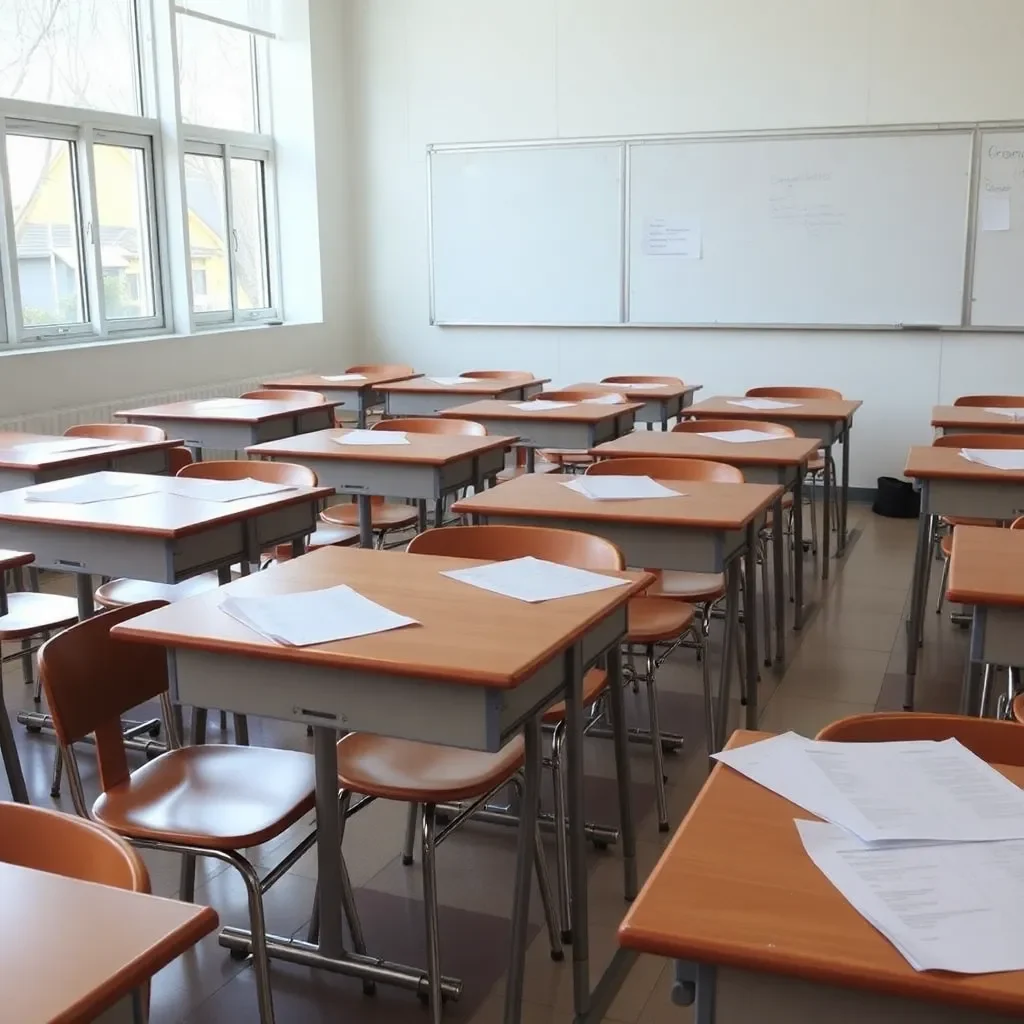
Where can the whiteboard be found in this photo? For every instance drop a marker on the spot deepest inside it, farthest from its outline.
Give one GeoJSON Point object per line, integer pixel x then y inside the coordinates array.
{"type": "Point", "coordinates": [814, 230]}
{"type": "Point", "coordinates": [997, 298]}
{"type": "Point", "coordinates": [527, 235]}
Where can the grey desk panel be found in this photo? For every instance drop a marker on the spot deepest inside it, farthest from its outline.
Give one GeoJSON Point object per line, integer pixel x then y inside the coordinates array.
{"type": "Point", "coordinates": [206, 433]}
{"type": "Point", "coordinates": [776, 475]}
{"type": "Point", "coordinates": [654, 410]}
{"type": "Point", "coordinates": [1000, 635]}
{"type": "Point", "coordinates": [12, 479]}
{"type": "Point", "coordinates": [155, 462]}
{"type": "Point", "coordinates": [827, 432]}
{"type": "Point", "coordinates": [431, 403]}
{"type": "Point", "coordinates": [973, 498]}
{"type": "Point", "coordinates": [127, 462]}
{"type": "Point", "coordinates": [278, 525]}
{"type": "Point", "coordinates": [561, 433]}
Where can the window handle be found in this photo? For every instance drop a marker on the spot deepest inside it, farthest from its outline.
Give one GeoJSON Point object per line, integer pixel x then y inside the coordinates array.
{"type": "Point", "coordinates": [234, 239]}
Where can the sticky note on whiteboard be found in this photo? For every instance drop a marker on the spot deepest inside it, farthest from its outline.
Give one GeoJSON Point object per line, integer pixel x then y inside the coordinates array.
{"type": "Point", "coordinates": [994, 212]}
{"type": "Point", "coordinates": [673, 236]}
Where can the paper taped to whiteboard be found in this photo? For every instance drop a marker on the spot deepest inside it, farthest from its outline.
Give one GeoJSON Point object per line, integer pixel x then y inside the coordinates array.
{"type": "Point", "coordinates": [673, 236]}
{"type": "Point", "coordinates": [994, 212]}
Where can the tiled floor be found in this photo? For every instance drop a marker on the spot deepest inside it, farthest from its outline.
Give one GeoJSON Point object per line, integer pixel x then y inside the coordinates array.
{"type": "Point", "coordinates": [849, 659]}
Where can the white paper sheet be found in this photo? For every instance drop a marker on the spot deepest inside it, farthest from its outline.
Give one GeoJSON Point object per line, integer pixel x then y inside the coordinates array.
{"type": "Point", "coordinates": [610, 399]}
{"type": "Point", "coordinates": [615, 384]}
{"type": "Point", "coordinates": [223, 403]}
{"type": "Point", "coordinates": [452, 381]}
{"type": "Point", "coordinates": [313, 617]}
{"type": "Point", "coordinates": [64, 444]}
{"type": "Point", "coordinates": [541, 405]}
{"type": "Point", "coordinates": [949, 907]}
{"type": "Point", "coordinates": [1013, 414]}
{"type": "Point", "coordinates": [343, 378]}
{"type": "Point", "coordinates": [994, 212]}
{"type": "Point", "coordinates": [996, 458]}
{"type": "Point", "coordinates": [372, 437]}
{"type": "Point", "coordinates": [85, 490]}
{"type": "Point", "coordinates": [673, 236]}
{"type": "Point", "coordinates": [763, 403]}
{"type": "Point", "coordinates": [740, 436]}
{"type": "Point", "coordinates": [620, 488]}
{"type": "Point", "coordinates": [917, 791]}
{"type": "Point", "coordinates": [533, 579]}
{"type": "Point", "coordinates": [223, 490]}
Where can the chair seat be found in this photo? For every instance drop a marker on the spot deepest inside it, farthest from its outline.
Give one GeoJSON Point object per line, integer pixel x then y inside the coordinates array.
{"type": "Point", "coordinates": [223, 797]}
{"type": "Point", "coordinates": [385, 516]}
{"type": "Point", "coordinates": [422, 772]}
{"type": "Point", "coordinates": [540, 466]}
{"type": "Point", "coordinates": [687, 586]}
{"type": "Point", "coordinates": [1018, 708]}
{"type": "Point", "coordinates": [29, 613]}
{"type": "Point", "coordinates": [324, 536]}
{"type": "Point", "coordinates": [652, 619]}
{"type": "Point", "coordinates": [118, 593]}
{"type": "Point", "coordinates": [567, 457]}
{"type": "Point", "coordinates": [594, 683]}
{"type": "Point", "coordinates": [817, 464]}
{"type": "Point", "coordinates": [967, 521]}
{"type": "Point", "coordinates": [946, 545]}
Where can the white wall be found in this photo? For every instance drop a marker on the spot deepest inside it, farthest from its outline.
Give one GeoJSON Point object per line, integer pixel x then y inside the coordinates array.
{"type": "Point", "coordinates": [311, 103]}
{"type": "Point", "coordinates": [485, 70]}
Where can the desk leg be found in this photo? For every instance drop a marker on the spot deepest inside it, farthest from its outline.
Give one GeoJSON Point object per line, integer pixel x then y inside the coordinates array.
{"type": "Point", "coordinates": [750, 623]}
{"type": "Point", "coordinates": [798, 549]}
{"type": "Point", "coordinates": [524, 873]}
{"type": "Point", "coordinates": [826, 517]}
{"type": "Point", "coordinates": [620, 736]}
{"type": "Point", "coordinates": [83, 588]}
{"type": "Point", "coordinates": [531, 458]}
{"type": "Point", "coordinates": [361, 410]}
{"type": "Point", "coordinates": [365, 521]}
{"type": "Point", "coordinates": [704, 1004]}
{"type": "Point", "coordinates": [971, 700]}
{"type": "Point", "coordinates": [732, 602]}
{"type": "Point", "coordinates": [577, 837]}
{"type": "Point", "coordinates": [778, 554]}
{"type": "Point", "coordinates": [917, 599]}
{"type": "Point", "coordinates": [8, 746]}
{"type": "Point", "coordinates": [328, 843]}
{"type": "Point", "coordinates": [844, 496]}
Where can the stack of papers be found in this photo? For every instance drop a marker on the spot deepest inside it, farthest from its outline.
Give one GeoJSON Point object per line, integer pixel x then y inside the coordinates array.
{"type": "Point", "coordinates": [452, 381]}
{"type": "Point", "coordinates": [223, 490]}
{"type": "Point", "coordinates": [610, 399]}
{"type": "Point", "coordinates": [541, 405]}
{"type": "Point", "coordinates": [533, 579]}
{"type": "Point", "coordinates": [64, 444]}
{"type": "Point", "coordinates": [85, 490]}
{"type": "Point", "coordinates": [313, 617]}
{"type": "Point", "coordinates": [344, 378]}
{"type": "Point", "coordinates": [1014, 414]}
{"type": "Point", "coordinates": [620, 488]}
{"type": "Point", "coordinates": [740, 436]}
{"type": "Point", "coordinates": [923, 838]}
{"type": "Point", "coordinates": [763, 403]}
{"type": "Point", "coordinates": [372, 437]}
{"type": "Point", "coordinates": [996, 458]}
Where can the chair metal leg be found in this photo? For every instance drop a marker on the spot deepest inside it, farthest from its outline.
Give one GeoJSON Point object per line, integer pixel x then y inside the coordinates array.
{"type": "Point", "coordinates": [544, 887]}
{"type": "Point", "coordinates": [224, 722]}
{"type": "Point", "coordinates": [430, 912]}
{"type": "Point", "coordinates": [659, 755]}
{"type": "Point", "coordinates": [241, 730]}
{"type": "Point", "coordinates": [561, 846]}
{"type": "Point", "coordinates": [411, 823]}
{"type": "Point", "coordinates": [9, 751]}
{"type": "Point", "coordinates": [814, 516]}
{"type": "Point", "coordinates": [258, 925]}
{"type": "Point", "coordinates": [58, 771]}
{"type": "Point", "coordinates": [766, 604]}
{"type": "Point", "coordinates": [943, 580]}
{"type": "Point", "coordinates": [709, 697]}
{"type": "Point", "coordinates": [986, 686]}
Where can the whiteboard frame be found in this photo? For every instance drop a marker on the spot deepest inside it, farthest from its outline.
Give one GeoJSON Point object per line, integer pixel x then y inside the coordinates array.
{"type": "Point", "coordinates": [628, 142]}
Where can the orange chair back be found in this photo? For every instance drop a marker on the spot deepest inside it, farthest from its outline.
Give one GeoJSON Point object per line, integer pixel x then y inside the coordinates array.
{"type": "Point", "coordinates": [383, 369]}
{"type": "Point", "coordinates": [117, 431]}
{"type": "Point", "coordinates": [574, 394]}
{"type": "Point", "coordinates": [502, 543]}
{"type": "Point", "coordinates": [432, 425]}
{"type": "Point", "coordinates": [177, 459]}
{"type": "Point", "coordinates": [785, 391]}
{"type": "Point", "coordinates": [669, 468]}
{"type": "Point", "coordinates": [672, 382]}
{"type": "Point", "coordinates": [239, 469]}
{"type": "Point", "coordinates": [992, 441]}
{"type": "Point", "coordinates": [993, 741]}
{"type": "Point", "coordinates": [991, 401]}
{"type": "Point", "coordinates": [498, 374]}
{"type": "Point", "coordinates": [285, 395]}
{"type": "Point", "coordinates": [708, 426]}
{"type": "Point", "coordinates": [91, 680]}
{"type": "Point", "coordinates": [62, 844]}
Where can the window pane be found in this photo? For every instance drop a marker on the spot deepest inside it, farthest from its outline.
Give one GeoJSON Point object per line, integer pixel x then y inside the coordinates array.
{"type": "Point", "coordinates": [43, 194]}
{"type": "Point", "coordinates": [207, 233]}
{"type": "Point", "coordinates": [78, 53]}
{"type": "Point", "coordinates": [215, 70]}
{"type": "Point", "coordinates": [125, 243]}
{"type": "Point", "coordinates": [249, 234]}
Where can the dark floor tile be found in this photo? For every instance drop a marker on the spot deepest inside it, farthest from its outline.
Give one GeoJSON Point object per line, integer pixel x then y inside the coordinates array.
{"type": "Point", "coordinates": [939, 696]}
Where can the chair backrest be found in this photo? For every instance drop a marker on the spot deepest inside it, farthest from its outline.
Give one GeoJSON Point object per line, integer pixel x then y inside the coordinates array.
{"type": "Point", "coordinates": [387, 369]}
{"type": "Point", "coordinates": [502, 543]}
{"type": "Point", "coordinates": [668, 468]}
{"type": "Point", "coordinates": [1018, 523]}
{"type": "Point", "coordinates": [62, 844]}
{"type": "Point", "coordinates": [285, 395]}
{"type": "Point", "coordinates": [979, 441]}
{"type": "Point", "coordinates": [574, 394]}
{"type": "Point", "coordinates": [993, 401]}
{"type": "Point", "coordinates": [91, 679]}
{"type": "Point", "coordinates": [117, 431]}
{"type": "Point", "coordinates": [178, 458]}
{"type": "Point", "coordinates": [673, 382]}
{"type": "Point", "coordinates": [498, 374]}
{"type": "Point", "coordinates": [785, 391]}
{"type": "Point", "coordinates": [432, 425]}
{"type": "Point", "coordinates": [993, 741]}
{"type": "Point", "coordinates": [289, 473]}
{"type": "Point", "coordinates": [708, 426]}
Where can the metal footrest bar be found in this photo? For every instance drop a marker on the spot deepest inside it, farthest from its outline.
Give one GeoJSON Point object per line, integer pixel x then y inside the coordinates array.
{"type": "Point", "coordinates": [670, 741]}
{"type": "Point", "coordinates": [602, 834]}
{"type": "Point", "coordinates": [352, 965]}
{"type": "Point", "coordinates": [38, 721]}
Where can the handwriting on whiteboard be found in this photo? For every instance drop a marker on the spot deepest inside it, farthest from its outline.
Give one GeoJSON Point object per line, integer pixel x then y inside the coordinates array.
{"type": "Point", "coordinates": [804, 200]}
{"type": "Point", "coordinates": [673, 236]}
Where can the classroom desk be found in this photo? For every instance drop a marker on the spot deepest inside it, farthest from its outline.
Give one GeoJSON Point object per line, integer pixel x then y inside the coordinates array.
{"type": "Point", "coordinates": [781, 461]}
{"type": "Point", "coordinates": [580, 426]}
{"type": "Point", "coordinates": [775, 941]}
{"type": "Point", "coordinates": [659, 404]}
{"type": "Point", "coordinates": [420, 396]}
{"type": "Point", "coordinates": [233, 423]}
{"type": "Point", "coordinates": [479, 669]}
{"type": "Point", "coordinates": [428, 468]}
{"type": "Point", "coordinates": [21, 468]}
{"type": "Point", "coordinates": [707, 529]}
{"type": "Point", "coordinates": [965, 419]}
{"type": "Point", "coordinates": [94, 945]}
{"type": "Point", "coordinates": [159, 537]}
{"type": "Point", "coordinates": [986, 568]}
{"type": "Point", "coordinates": [950, 486]}
{"type": "Point", "coordinates": [829, 420]}
{"type": "Point", "coordinates": [362, 395]}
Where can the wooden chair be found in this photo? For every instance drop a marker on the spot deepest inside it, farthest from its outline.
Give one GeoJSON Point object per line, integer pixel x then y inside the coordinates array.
{"type": "Point", "coordinates": [497, 374]}
{"type": "Point", "coordinates": [117, 431]}
{"type": "Point", "coordinates": [674, 382]}
{"type": "Point", "coordinates": [992, 741]}
{"type": "Point", "coordinates": [26, 618]}
{"type": "Point", "coordinates": [434, 425]}
{"type": "Point", "coordinates": [383, 369]}
{"type": "Point", "coordinates": [285, 395]}
{"type": "Point", "coordinates": [210, 801]}
{"type": "Point", "coordinates": [991, 401]}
